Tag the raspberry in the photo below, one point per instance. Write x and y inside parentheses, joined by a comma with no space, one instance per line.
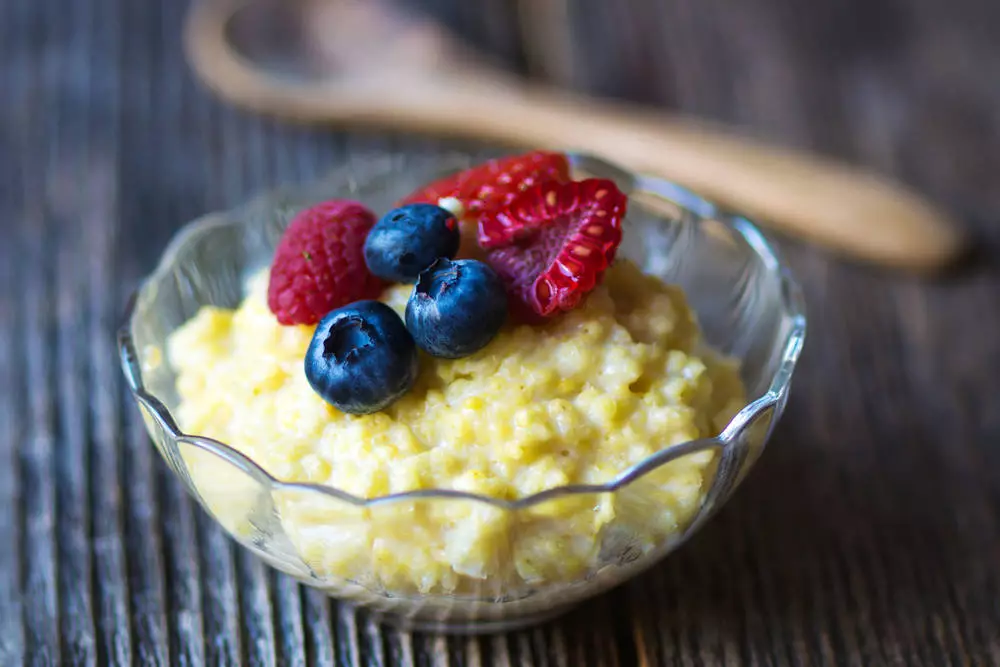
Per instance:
(552,244)
(319,264)
(490,186)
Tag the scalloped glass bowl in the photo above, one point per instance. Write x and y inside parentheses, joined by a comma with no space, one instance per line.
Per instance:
(746,303)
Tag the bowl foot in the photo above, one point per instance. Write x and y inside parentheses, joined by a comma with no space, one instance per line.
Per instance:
(462,626)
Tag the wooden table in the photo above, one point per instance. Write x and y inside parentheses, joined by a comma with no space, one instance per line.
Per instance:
(868,535)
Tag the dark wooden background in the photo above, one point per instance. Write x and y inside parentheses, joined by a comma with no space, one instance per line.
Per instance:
(868,535)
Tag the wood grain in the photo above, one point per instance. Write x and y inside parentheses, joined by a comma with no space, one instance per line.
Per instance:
(869,533)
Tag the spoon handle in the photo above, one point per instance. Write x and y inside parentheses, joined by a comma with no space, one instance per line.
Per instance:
(848,210)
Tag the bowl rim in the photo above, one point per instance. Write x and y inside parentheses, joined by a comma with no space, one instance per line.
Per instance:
(792,303)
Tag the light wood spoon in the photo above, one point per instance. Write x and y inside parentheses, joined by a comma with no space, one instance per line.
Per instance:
(366,63)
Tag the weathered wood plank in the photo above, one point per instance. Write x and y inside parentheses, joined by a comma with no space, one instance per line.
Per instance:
(71,471)
(183,574)
(110,567)
(318,627)
(220,604)
(256,611)
(36,313)
(289,633)
(13,413)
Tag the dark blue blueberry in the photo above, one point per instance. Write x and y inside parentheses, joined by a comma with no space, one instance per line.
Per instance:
(456,308)
(361,358)
(408,240)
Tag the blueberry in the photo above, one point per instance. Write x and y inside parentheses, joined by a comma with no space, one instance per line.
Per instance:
(456,308)
(408,240)
(361,358)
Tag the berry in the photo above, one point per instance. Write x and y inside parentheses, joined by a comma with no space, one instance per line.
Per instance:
(319,264)
(408,240)
(361,358)
(456,308)
(492,185)
(552,244)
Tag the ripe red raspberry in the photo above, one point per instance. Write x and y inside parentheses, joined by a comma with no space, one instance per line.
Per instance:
(489,186)
(552,244)
(319,264)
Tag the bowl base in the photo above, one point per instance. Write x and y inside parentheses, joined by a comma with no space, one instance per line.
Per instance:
(467,626)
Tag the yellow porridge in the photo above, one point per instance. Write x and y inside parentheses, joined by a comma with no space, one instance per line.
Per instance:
(576,401)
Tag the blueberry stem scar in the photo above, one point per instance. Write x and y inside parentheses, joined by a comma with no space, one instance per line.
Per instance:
(347,338)
(438,277)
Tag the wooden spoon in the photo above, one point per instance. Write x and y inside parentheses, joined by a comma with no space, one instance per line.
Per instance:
(367,63)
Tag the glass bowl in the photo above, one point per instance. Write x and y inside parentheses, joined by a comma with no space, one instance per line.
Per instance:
(747,305)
